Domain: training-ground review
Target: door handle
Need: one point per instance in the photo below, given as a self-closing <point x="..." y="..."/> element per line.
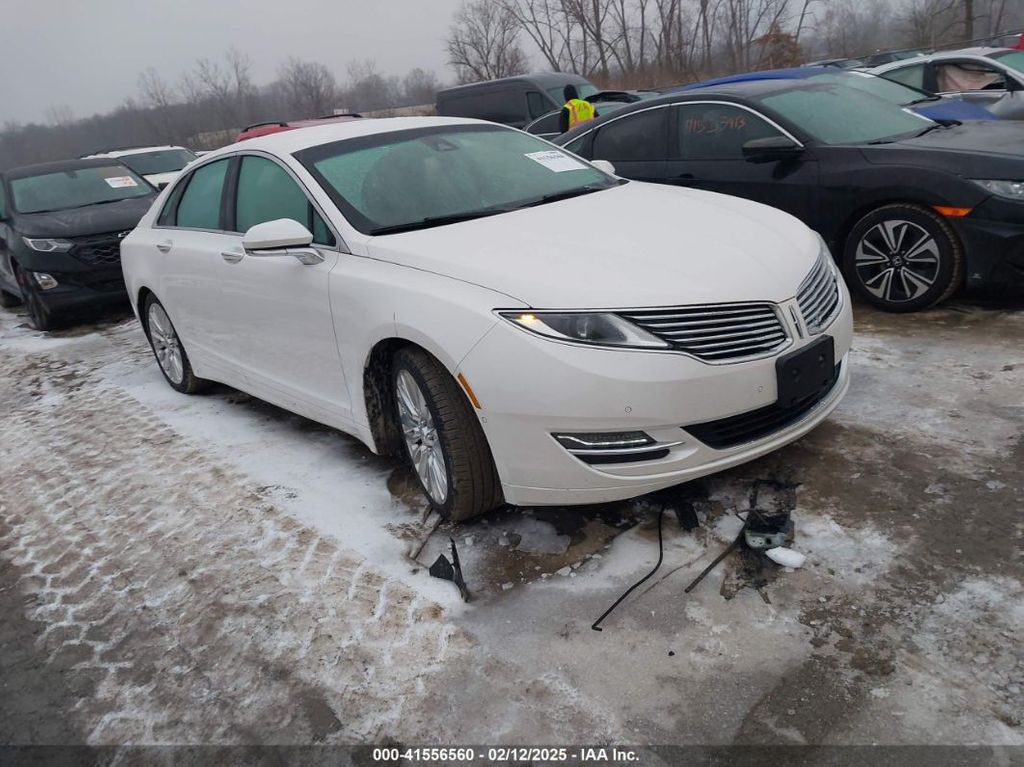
<point x="232" y="256"/>
<point x="165" y="246"/>
<point x="685" y="177"/>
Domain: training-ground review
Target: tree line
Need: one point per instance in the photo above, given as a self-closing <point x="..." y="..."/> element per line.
<point x="637" y="43"/>
<point x="616" y="43"/>
<point x="208" y="104"/>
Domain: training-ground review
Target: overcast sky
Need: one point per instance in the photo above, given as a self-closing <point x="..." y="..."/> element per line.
<point x="87" y="54"/>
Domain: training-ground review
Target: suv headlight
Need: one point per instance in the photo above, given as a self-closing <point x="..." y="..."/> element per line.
<point x="1013" y="190"/>
<point x="595" y="328"/>
<point x="47" y="245"/>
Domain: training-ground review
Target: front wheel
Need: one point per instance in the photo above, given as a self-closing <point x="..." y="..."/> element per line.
<point x="170" y="354"/>
<point x="442" y="437"/>
<point x="903" y="258"/>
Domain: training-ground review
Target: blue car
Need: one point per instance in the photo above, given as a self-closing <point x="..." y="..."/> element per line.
<point x="938" y="108"/>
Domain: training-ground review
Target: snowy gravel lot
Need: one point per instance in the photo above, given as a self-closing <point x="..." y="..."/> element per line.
<point x="214" y="570"/>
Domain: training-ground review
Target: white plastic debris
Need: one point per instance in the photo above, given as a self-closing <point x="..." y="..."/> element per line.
<point x="786" y="557"/>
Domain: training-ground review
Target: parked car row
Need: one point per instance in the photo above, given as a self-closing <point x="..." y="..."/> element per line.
<point x="912" y="208"/>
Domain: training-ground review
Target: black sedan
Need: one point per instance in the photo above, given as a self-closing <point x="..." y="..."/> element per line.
<point x="61" y="226"/>
<point x="913" y="209"/>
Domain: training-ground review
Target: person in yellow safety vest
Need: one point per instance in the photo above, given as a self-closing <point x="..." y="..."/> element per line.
<point x="575" y="111"/>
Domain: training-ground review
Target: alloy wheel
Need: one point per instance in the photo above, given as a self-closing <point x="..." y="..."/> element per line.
<point x="421" y="437"/>
<point x="165" y="344"/>
<point x="897" y="260"/>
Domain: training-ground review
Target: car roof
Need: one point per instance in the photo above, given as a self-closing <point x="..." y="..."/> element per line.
<point x="790" y="73"/>
<point x="543" y="79"/>
<point x="290" y="141"/>
<point x="126" y="151"/>
<point x="59" y="166"/>
<point x="978" y="52"/>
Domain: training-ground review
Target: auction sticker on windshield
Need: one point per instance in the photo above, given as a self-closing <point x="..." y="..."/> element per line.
<point x="120" y="182"/>
<point x="559" y="162"/>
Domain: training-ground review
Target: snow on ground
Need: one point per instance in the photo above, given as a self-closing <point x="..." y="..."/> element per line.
<point x="217" y="549"/>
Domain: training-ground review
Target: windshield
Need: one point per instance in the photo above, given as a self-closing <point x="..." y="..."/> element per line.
<point x="160" y="161"/>
<point x="893" y="92"/>
<point x="76" y="188"/>
<point x="584" y="89"/>
<point x="430" y="176"/>
<point x="1012" y="59"/>
<point x="835" y="114"/>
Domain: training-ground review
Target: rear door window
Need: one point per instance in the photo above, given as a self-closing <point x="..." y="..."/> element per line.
<point x="200" y="204"/>
<point x="966" y="76"/>
<point x="717" y="131"/>
<point x="638" y="137"/>
<point x="267" y="192"/>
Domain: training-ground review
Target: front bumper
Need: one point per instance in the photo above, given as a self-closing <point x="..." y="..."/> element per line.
<point x="89" y="275"/>
<point x="566" y="388"/>
<point x="993" y="238"/>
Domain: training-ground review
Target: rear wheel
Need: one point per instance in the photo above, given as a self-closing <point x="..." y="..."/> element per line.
<point x="903" y="258"/>
<point x="170" y="354"/>
<point x="41" y="316"/>
<point x="442" y="437"/>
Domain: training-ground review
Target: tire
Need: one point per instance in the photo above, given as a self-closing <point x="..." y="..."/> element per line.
<point x="903" y="258"/>
<point x="442" y="437"/>
<point x="8" y="300"/>
<point x="170" y="355"/>
<point x="41" y="316"/>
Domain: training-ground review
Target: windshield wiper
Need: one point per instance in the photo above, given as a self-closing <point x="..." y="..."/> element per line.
<point x="930" y="128"/>
<point x="568" y="194"/>
<point x="430" y="221"/>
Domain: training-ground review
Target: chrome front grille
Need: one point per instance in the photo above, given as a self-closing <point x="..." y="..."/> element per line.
<point x="716" y="332"/>
<point x="818" y="296"/>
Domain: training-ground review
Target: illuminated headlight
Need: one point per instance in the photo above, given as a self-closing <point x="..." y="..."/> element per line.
<point x="48" y="246"/>
<point x="44" y="281"/>
<point x="597" y="328"/>
<point x="1014" y="190"/>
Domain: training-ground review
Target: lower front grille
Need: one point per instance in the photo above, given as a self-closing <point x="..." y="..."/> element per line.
<point x="614" y="447"/>
<point x="736" y="430"/>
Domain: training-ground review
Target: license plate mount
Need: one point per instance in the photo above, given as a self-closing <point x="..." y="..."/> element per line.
<point x="806" y="372"/>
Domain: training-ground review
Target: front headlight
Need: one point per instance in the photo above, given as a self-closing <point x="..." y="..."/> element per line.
<point x="47" y="245"/>
<point x="1013" y="190"/>
<point x="596" y="328"/>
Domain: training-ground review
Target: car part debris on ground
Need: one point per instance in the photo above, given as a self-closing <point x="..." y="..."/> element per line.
<point x="451" y="571"/>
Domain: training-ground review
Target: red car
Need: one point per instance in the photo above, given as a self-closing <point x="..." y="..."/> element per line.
<point x="265" y="129"/>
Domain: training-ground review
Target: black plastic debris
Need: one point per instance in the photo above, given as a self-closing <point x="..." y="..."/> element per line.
<point x="767" y="529"/>
<point x="450" y="571"/>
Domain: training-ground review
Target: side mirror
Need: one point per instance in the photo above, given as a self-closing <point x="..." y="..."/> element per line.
<point x="770" y="149"/>
<point x="604" y="165"/>
<point x="281" y="237"/>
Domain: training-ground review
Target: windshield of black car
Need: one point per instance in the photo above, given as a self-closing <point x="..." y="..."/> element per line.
<point x="392" y="180"/>
<point x="76" y="188"/>
<point x="891" y="91"/>
<point x="835" y="114"/>
<point x="159" y="161"/>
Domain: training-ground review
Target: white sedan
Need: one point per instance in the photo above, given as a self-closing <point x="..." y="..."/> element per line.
<point x="522" y="325"/>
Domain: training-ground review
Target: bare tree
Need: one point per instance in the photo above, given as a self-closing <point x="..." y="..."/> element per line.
<point x="308" y="86"/>
<point x="419" y="87"/>
<point x="483" y="42"/>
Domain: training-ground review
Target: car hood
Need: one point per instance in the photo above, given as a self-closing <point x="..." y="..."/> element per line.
<point x="82" y="222"/>
<point x="636" y="245"/>
<point x="989" y="149"/>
